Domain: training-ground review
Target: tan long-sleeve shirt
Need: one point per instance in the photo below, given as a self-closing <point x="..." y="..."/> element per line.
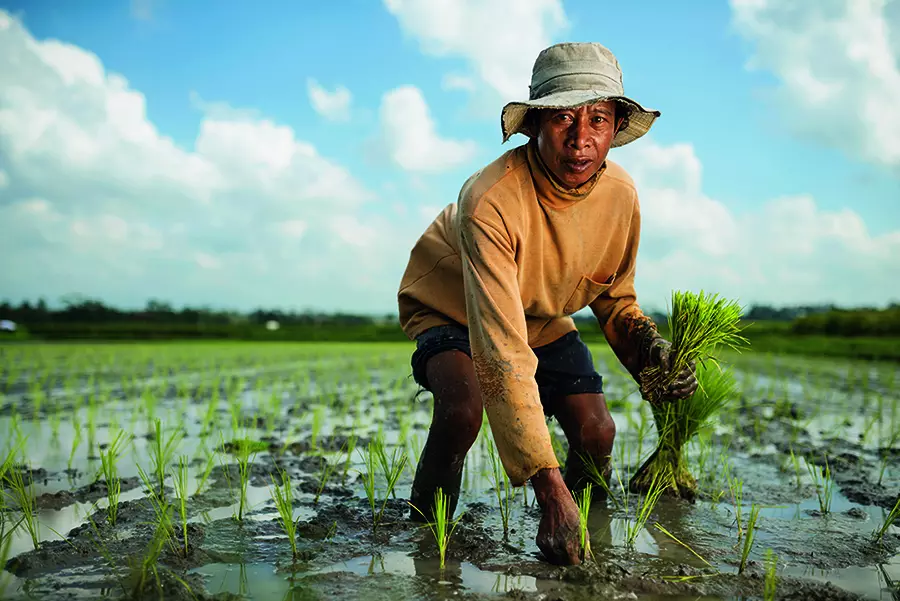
<point x="512" y="260"/>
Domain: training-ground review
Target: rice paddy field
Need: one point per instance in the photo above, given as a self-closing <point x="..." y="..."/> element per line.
<point x="282" y="471"/>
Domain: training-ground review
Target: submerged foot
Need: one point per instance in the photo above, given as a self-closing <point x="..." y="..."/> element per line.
<point x="429" y="478"/>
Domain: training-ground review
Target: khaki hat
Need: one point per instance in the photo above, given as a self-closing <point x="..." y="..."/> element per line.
<point x="570" y="75"/>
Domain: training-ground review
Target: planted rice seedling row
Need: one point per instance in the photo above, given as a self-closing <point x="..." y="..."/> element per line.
<point x="315" y="404"/>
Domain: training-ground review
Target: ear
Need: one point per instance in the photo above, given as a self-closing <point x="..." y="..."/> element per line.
<point x="619" y="122"/>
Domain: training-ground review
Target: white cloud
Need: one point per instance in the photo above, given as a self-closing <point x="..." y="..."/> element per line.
<point x="293" y="228"/>
<point x="499" y="38"/>
<point x="410" y="136"/>
<point x="788" y="250"/>
<point x="837" y="68"/>
<point x="334" y="106"/>
<point x="455" y="81"/>
<point x="207" y="261"/>
<point x="99" y="202"/>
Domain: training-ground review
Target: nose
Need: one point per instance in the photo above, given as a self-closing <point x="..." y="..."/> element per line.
<point x="578" y="135"/>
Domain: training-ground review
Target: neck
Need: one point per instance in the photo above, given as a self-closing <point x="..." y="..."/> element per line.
<point x="556" y="188"/>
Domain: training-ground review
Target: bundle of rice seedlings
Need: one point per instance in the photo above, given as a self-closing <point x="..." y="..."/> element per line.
<point x="699" y="325"/>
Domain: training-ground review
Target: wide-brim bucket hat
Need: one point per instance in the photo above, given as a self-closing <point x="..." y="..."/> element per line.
<point x="570" y="75"/>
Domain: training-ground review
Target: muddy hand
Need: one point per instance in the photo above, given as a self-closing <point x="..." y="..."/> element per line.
<point x="685" y="383"/>
<point x="558" y="534"/>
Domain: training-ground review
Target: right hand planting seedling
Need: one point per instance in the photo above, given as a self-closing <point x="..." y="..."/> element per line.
<point x="558" y="535"/>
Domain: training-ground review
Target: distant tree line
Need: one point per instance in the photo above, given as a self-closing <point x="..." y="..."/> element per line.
<point x="80" y="317"/>
<point x="76" y="309"/>
<point x="856" y="322"/>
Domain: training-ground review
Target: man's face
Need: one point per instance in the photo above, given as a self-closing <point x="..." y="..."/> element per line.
<point x="574" y="142"/>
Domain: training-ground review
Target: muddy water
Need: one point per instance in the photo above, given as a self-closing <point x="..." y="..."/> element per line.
<point x="302" y="402"/>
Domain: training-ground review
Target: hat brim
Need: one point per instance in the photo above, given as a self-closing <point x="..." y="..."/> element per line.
<point x="512" y="119"/>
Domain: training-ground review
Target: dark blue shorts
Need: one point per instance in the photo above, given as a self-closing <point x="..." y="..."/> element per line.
<point x="565" y="366"/>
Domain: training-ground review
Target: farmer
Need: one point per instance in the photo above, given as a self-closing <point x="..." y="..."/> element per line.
<point x="546" y="229"/>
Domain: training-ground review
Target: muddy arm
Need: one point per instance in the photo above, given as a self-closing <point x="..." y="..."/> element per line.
<point x="504" y="363"/>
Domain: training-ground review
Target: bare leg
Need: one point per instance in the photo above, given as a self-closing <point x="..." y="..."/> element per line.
<point x="591" y="431"/>
<point x="455" y="424"/>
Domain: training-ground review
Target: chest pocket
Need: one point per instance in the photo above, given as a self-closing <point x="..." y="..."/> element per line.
<point x="585" y="293"/>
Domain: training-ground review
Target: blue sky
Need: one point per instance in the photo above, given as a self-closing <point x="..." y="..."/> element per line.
<point x="770" y="183"/>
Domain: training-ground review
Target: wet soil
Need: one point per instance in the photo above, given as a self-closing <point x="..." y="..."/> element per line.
<point x="304" y="409"/>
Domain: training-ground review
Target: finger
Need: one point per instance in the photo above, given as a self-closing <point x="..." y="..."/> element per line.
<point x="664" y="359"/>
<point x="685" y="389"/>
<point x="682" y="393"/>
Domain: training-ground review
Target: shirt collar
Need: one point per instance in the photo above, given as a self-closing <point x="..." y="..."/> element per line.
<point x="549" y="188"/>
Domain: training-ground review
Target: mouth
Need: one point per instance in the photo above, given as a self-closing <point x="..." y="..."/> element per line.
<point x="577" y="165"/>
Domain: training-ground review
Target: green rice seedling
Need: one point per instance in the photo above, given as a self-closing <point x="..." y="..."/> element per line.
<point x="599" y="479"/>
<point x="91" y="424"/>
<point x="370" y="460"/>
<point x="284" y="502"/>
<point x="500" y="481"/>
<point x="22" y="495"/>
<point x="328" y="469"/>
<point x="146" y="565"/>
<point x="736" y="486"/>
<point x="351" y="446"/>
<point x="704" y="451"/>
<point x="387" y="463"/>
<point x="318" y="419"/>
<point x="642" y="430"/>
<point x="209" y="418"/>
<point x="180" y="480"/>
<point x="162" y="510"/>
<point x="748" y="539"/>
<point x="54" y="416"/>
<point x="442" y="527"/>
<point x="685" y="545"/>
<point x="207" y="470"/>
<point x="5" y="545"/>
<point x="149" y="400"/>
<point x="162" y="452"/>
<point x="824" y="484"/>
<point x="795" y="461"/>
<point x="5" y="466"/>
<point x="889" y="583"/>
<point x="108" y="459"/>
<point x="771" y="579"/>
<point x="891" y="443"/>
<point x="245" y="452"/>
<point x="889" y="520"/>
<point x="699" y="325"/>
<point x="661" y="481"/>
<point x="583" y="501"/>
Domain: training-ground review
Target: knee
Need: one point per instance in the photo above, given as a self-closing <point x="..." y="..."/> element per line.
<point x="602" y="435"/>
<point x="598" y="434"/>
<point x="470" y="424"/>
<point x="461" y="418"/>
<point x="458" y="408"/>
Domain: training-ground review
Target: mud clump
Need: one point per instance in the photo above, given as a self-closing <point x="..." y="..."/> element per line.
<point x="98" y="489"/>
<point x="56" y="500"/>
